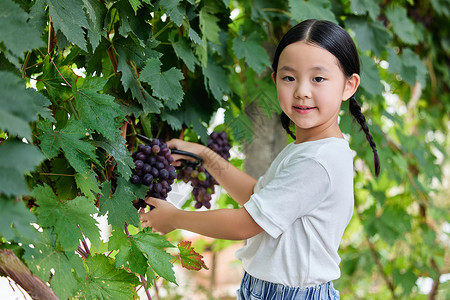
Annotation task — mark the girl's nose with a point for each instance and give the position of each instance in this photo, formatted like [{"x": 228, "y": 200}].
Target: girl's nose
[{"x": 302, "y": 91}]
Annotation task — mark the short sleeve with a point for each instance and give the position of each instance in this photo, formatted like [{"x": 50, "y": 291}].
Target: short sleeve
[{"x": 294, "y": 192}]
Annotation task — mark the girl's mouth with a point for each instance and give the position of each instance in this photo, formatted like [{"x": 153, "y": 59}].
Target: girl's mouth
[{"x": 303, "y": 109}]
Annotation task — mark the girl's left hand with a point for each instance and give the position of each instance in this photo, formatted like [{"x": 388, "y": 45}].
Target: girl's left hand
[{"x": 159, "y": 218}]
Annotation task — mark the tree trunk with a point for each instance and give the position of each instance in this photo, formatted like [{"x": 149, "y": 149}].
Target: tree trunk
[
  {"x": 269, "y": 138},
  {"x": 13, "y": 267}
]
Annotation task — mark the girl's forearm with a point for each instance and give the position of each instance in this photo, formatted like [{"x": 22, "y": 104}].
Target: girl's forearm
[
  {"x": 230, "y": 224},
  {"x": 237, "y": 183}
]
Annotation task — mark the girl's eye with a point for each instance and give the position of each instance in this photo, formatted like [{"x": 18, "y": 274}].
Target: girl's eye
[
  {"x": 288, "y": 78},
  {"x": 318, "y": 79}
]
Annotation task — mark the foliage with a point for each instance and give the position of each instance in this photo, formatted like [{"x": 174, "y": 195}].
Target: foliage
[{"x": 80, "y": 78}]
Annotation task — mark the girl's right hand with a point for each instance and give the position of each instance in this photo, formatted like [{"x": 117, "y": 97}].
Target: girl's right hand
[{"x": 184, "y": 146}]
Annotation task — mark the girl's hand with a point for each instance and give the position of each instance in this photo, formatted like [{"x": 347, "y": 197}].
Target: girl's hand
[
  {"x": 159, "y": 218},
  {"x": 184, "y": 146}
]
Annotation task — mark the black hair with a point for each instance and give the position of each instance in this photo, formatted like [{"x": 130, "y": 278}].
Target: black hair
[{"x": 338, "y": 42}]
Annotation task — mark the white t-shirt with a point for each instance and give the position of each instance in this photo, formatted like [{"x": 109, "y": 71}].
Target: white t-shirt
[{"x": 304, "y": 202}]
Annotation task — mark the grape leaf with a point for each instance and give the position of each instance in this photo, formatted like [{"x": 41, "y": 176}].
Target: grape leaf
[
  {"x": 240, "y": 125},
  {"x": 97, "y": 111},
  {"x": 16, "y": 158},
  {"x": 87, "y": 185},
  {"x": 317, "y": 9},
  {"x": 121, "y": 155},
  {"x": 361, "y": 7},
  {"x": 370, "y": 76},
  {"x": 190, "y": 259},
  {"x": 184, "y": 51},
  {"x": 69, "y": 17},
  {"x": 165, "y": 85},
  {"x": 129, "y": 254},
  {"x": 15, "y": 219},
  {"x": 250, "y": 48},
  {"x": 45, "y": 259},
  {"x": 15, "y": 115},
  {"x": 371, "y": 36},
  {"x": 69, "y": 139},
  {"x": 135, "y": 4},
  {"x": 401, "y": 24},
  {"x": 17, "y": 34},
  {"x": 118, "y": 205},
  {"x": 208, "y": 23},
  {"x": 172, "y": 120},
  {"x": 266, "y": 96},
  {"x": 65, "y": 185},
  {"x": 104, "y": 281},
  {"x": 174, "y": 10},
  {"x": 215, "y": 79},
  {"x": 152, "y": 245},
  {"x": 69, "y": 219},
  {"x": 96, "y": 12},
  {"x": 54, "y": 84}
]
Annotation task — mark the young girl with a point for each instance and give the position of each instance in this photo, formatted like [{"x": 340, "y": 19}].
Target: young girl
[{"x": 294, "y": 216}]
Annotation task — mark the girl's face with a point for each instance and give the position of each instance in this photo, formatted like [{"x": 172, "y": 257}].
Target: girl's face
[{"x": 311, "y": 87}]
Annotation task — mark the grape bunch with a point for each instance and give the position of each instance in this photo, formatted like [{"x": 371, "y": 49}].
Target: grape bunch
[
  {"x": 153, "y": 168},
  {"x": 202, "y": 182}
]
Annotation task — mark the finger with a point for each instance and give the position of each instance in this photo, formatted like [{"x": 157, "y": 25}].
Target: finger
[{"x": 152, "y": 201}]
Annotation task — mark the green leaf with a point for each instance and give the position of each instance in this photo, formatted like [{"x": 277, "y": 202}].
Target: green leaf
[
  {"x": 87, "y": 185},
  {"x": 250, "y": 48},
  {"x": 184, "y": 51},
  {"x": 361, "y": 7},
  {"x": 17, "y": 106},
  {"x": 97, "y": 111},
  {"x": 190, "y": 259},
  {"x": 153, "y": 244},
  {"x": 54, "y": 84},
  {"x": 401, "y": 24},
  {"x": 317, "y": 9},
  {"x": 208, "y": 23},
  {"x": 135, "y": 4},
  {"x": 64, "y": 182},
  {"x": 174, "y": 10},
  {"x": 69, "y": 17},
  {"x": 370, "y": 76},
  {"x": 129, "y": 254},
  {"x": 40, "y": 103},
  {"x": 15, "y": 219},
  {"x": 17, "y": 158},
  {"x": 371, "y": 36},
  {"x": 240, "y": 125},
  {"x": 406, "y": 279},
  {"x": 96, "y": 12},
  {"x": 266, "y": 95},
  {"x": 69, "y": 139},
  {"x": 215, "y": 78},
  {"x": 172, "y": 120},
  {"x": 119, "y": 205},
  {"x": 69, "y": 219},
  {"x": 119, "y": 151},
  {"x": 17, "y": 34},
  {"x": 44, "y": 259},
  {"x": 165, "y": 85},
  {"x": 104, "y": 281}
]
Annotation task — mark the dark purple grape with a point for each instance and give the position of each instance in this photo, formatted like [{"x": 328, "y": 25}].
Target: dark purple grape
[
  {"x": 135, "y": 179},
  {"x": 157, "y": 187},
  {"x": 141, "y": 156},
  {"x": 147, "y": 150},
  {"x": 155, "y": 172},
  {"x": 146, "y": 168},
  {"x": 140, "y": 147},
  {"x": 148, "y": 178},
  {"x": 164, "y": 174},
  {"x": 139, "y": 164},
  {"x": 159, "y": 165}
]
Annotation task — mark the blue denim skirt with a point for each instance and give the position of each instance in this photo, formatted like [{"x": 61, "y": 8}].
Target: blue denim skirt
[{"x": 256, "y": 289}]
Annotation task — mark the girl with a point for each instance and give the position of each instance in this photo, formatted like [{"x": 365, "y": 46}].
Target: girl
[{"x": 294, "y": 216}]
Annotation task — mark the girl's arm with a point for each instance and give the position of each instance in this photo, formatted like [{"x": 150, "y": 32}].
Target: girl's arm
[
  {"x": 237, "y": 183},
  {"x": 230, "y": 224}
]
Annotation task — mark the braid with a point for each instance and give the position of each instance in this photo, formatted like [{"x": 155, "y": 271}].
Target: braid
[
  {"x": 355, "y": 110},
  {"x": 286, "y": 122}
]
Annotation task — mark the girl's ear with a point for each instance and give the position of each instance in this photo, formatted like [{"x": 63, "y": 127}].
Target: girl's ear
[
  {"x": 274, "y": 77},
  {"x": 351, "y": 85}
]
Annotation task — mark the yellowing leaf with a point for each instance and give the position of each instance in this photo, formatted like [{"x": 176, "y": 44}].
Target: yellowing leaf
[{"x": 190, "y": 259}]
